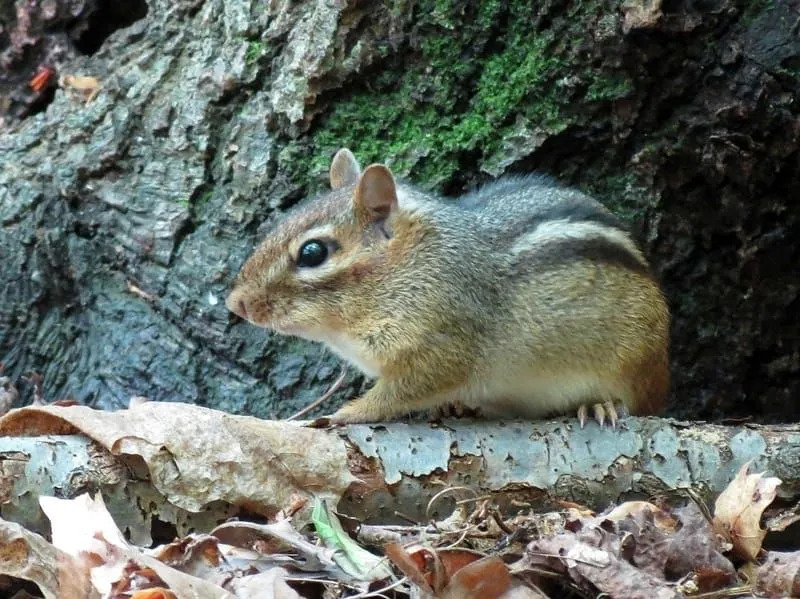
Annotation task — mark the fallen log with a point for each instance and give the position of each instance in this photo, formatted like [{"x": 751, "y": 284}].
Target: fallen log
[{"x": 191, "y": 467}]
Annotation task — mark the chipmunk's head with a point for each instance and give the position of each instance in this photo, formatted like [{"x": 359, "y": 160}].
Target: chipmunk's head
[{"x": 317, "y": 268}]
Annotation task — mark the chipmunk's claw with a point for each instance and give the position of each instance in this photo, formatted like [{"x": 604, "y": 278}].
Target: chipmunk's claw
[
  {"x": 600, "y": 411},
  {"x": 582, "y": 416},
  {"x": 611, "y": 412}
]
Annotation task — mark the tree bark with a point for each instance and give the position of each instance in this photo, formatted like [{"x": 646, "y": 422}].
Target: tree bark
[{"x": 125, "y": 219}]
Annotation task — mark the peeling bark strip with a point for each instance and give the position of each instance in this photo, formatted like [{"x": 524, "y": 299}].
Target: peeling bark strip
[{"x": 191, "y": 466}]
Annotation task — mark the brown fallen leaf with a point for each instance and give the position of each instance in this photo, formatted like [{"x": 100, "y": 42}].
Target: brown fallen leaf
[
  {"x": 695, "y": 549},
  {"x": 779, "y": 575},
  {"x": 595, "y": 563},
  {"x": 451, "y": 573},
  {"x": 646, "y": 530},
  {"x": 738, "y": 510},
  {"x": 157, "y": 593},
  {"x": 408, "y": 566},
  {"x": 486, "y": 578},
  {"x": 220, "y": 457}
]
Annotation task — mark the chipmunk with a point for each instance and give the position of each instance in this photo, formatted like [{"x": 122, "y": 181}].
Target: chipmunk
[{"x": 521, "y": 299}]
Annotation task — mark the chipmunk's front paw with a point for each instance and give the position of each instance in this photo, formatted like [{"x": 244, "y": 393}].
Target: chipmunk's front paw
[
  {"x": 352, "y": 413},
  {"x": 601, "y": 411}
]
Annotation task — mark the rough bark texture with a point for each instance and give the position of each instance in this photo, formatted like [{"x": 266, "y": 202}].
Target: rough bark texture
[{"x": 125, "y": 220}]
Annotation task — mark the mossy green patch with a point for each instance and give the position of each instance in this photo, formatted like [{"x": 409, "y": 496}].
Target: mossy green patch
[
  {"x": 255, "y": 50},
  {"x": 455, "y": 96},
  {"x": 611, "y": 87},
  {"x": 470, "y": 75}
]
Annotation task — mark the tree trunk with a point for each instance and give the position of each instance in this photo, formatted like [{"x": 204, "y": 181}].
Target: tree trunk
[{"x": 125, "y": 218}]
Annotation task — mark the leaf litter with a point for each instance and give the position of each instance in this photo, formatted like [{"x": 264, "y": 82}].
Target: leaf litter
[
  {"x": 637, "y": 549},
  {"x": 299, "y": 547}
]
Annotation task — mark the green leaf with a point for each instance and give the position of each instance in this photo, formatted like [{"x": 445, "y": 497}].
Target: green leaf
[{"x": 348, "y": 555}]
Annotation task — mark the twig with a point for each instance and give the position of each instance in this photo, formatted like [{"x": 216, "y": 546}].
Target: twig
[
  {"x": 441, "y": 493},
  {"x": 499, "y": 521},
  {"x": 325, "y": 396},
  {"x": 379, "y": 592}
]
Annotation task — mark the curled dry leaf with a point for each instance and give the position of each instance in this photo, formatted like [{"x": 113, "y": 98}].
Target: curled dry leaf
[
  {"x": 594, "y": 561},
  {"x": 220, "y": 457},
  {"x": 738, "y": 511},
  {"x": 694, "y": 549},
  {"x": 486, "y": 578}
]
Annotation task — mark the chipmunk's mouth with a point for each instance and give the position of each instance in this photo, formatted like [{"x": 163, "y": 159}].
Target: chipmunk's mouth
[{"x": 284, "y": 327}]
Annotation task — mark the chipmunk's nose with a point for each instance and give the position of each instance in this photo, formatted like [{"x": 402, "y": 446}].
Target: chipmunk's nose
[{"x": 236, "y": 303}]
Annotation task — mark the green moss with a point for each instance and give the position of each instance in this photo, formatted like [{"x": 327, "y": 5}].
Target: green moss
[
  {"x": 613, "y": 87},
  {"x": 472, "y": 73},
  {"x": 255, "y": 50},
  {"x": 453, "y": 97}
]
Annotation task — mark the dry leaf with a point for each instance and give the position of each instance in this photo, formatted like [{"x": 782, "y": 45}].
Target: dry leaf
[
  {"x": 694, "y": 548},
  {"x": 452, "y": 573},
  {"x": 157, "y": 593},
  {"x": 220, "y": 457},
  {"x": 636, "y": 510},
  {"x": 779, "y": 575},
  {"x": 594, "y": 559},
  {"x": 266, "y": 585},
  {"x": 84, "y": 529},
  {"x": 486, "y": 578},
  {"x": 408, "y": 566},
  {"x": 28, "y": 556},
  {"x": 738, "y": 510}
]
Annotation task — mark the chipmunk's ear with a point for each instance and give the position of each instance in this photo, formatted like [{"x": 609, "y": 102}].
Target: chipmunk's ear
[
  {"x": 344, "y": 169},
  {"x": 376, "y": 193}
]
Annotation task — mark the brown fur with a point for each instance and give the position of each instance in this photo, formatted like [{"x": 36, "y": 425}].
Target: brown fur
[{"x": 461, "y": 302}]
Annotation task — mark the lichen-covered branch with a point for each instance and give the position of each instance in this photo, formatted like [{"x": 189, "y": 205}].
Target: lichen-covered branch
[{"x": 191, "y": 466}]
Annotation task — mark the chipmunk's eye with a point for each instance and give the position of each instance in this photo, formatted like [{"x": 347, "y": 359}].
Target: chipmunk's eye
[{"x": 312, "y": 253}]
